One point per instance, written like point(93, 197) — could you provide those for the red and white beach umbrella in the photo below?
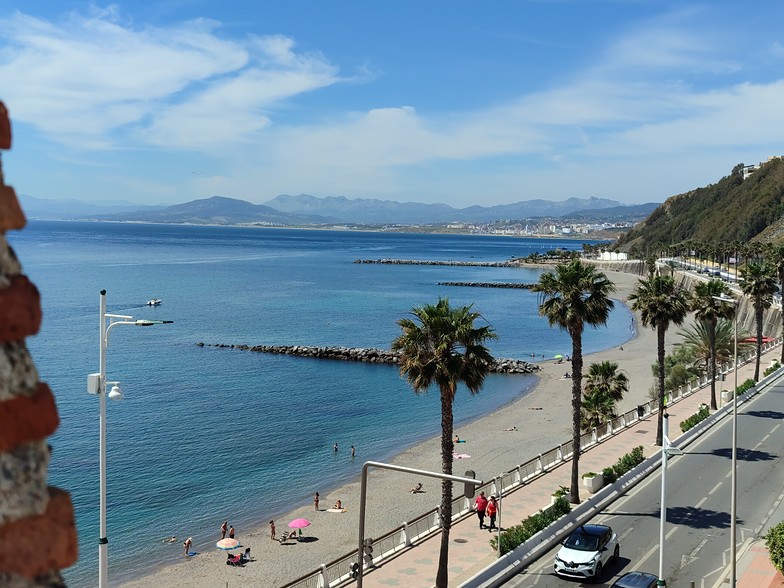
point(227, 544)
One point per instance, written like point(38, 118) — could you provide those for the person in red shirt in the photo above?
point(480, 504)
point(492, 510)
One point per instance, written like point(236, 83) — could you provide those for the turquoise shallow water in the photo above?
point(189, 412)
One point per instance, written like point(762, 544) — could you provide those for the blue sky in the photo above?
point(457, 102)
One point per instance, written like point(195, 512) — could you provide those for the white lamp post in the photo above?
point(667, 451)
point(96, 384)
point(734, 482)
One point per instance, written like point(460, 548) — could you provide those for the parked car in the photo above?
point(636, 580)
point(586, 551)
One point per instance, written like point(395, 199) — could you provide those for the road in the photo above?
point(697, 532)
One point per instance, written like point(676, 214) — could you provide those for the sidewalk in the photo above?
point(469, 549)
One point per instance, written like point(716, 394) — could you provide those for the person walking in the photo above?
point(491, 510)
point(272, 530)
point(315, 501)
point(231, 532)
point(224, 529)
point(480, 504)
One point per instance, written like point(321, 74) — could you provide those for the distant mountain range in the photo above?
point(286, 210)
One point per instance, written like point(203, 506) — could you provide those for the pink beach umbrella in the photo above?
point(227, 544)
point(299, 524)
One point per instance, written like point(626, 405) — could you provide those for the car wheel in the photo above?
point(616, 554)
point(597, 576)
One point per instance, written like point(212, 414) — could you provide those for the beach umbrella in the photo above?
point(228, 544)
point(559, 356)
point(299, 524)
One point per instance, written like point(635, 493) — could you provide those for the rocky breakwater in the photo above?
point(489, 285)
point(512, 263)
point(369, 355)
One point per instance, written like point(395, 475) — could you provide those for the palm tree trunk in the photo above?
point(758, 316)
point(447, 450)
point(577, 401)
point(712, 342)
point(660, 349)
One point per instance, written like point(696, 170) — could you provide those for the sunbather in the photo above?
point(416, 489)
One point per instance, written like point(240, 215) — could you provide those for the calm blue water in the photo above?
point(198, 437)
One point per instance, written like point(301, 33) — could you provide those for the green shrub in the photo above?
point(519, 534)
point(609, 475)
point(774, 541)
point(771, 369)
point(562, 491)
point(747, 385)
point(697, 417)
point(629, 461)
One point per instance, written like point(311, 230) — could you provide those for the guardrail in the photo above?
point(338, 572)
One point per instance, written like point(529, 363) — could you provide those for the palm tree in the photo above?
point(696, 339)
point(660, 302)
point(777, 261)
point(604, 386)
point(760, 285)
point(597, 409)
point(443, 347)
point(574, 295)
point(706, 308)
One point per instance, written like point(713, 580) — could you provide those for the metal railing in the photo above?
point(338, 572)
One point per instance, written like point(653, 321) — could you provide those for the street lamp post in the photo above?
point(734, 480)
point(667, 451)
point(96, 384)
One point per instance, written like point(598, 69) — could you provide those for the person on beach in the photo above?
point(353, 451)
point(338, 505)
point(187, 545)
point(511, 428)
point(224, 529)
point(416, 489)
point(231, 532)
point(480, 504)
point(272, 530)
point(315, 501)
point(457, 438)
point(491, 511)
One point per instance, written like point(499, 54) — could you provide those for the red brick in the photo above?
point(20, 309)
point(40, 543)
point(11, 215)
point(27, 418)
point(5, 128)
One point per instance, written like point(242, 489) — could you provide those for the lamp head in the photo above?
point(115, 393)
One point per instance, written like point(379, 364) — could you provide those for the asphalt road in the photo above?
point(697, 531)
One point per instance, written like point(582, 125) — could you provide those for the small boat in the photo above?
point(154, 302)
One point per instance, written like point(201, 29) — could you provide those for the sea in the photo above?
point(206, 434)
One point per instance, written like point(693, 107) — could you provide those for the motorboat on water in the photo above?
point(154, 302)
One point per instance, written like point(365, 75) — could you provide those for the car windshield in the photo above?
point(582, 542)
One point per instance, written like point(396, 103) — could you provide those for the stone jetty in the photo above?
point(511, 263)
point(370, 355)
point(489, 285)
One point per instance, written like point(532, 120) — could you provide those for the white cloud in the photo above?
point(91, 76)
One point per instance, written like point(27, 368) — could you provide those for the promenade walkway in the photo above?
point(469, 549)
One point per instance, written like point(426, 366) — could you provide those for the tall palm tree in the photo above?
point(706, 308)
point(777, 261)
point(760, 285)
point(442, 346)
point(696, 339)
point(604, 386)
point(574, 295)
point(660, 302)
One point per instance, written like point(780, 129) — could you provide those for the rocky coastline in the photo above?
point(369, 355)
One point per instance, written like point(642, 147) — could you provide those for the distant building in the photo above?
point(750, 169)
point(613, 256)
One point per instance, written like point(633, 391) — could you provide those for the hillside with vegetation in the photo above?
point(732, 210)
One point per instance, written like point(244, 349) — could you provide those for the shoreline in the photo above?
point(541, 416)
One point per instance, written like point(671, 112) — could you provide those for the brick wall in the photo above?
point(37, 529)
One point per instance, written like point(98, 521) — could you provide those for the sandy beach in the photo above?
point(542, 419)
